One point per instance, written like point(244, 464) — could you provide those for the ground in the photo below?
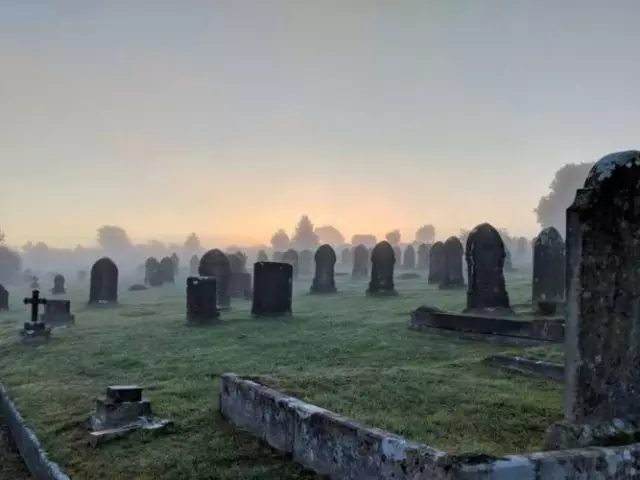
point(346, 352)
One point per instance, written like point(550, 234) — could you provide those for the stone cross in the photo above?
point(35, 301)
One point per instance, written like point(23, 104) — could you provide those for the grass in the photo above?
point(347, 353)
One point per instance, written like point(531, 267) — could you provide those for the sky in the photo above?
point(232, 118)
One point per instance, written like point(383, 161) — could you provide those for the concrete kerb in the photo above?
point(33, 455)
point(341, 448)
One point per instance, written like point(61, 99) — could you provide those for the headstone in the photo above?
point(522, 246)
point(272, 288)
point(397, 251)
point(277, 257)
point(216, 264)
point(153, 274)
point(57, 313)
point(409, 259)
point(602, 336)
point(262, 256)
point(82, 275)
point(194, 263)
point(35, 284)
point(305, 262)
point(383, 260)
point(548, 267)
point(240, 285)
point(360, 262)
point(59, 285)
point(4, 298)
point(453, 253)
point(35, 332)
point(237, 262)
point(201, 300)
point(346, 256)
point(176, 263)
point(423, 256)
point(437, 263)
point(103, 288)
point(324, 279)
point(485, 254)
point(291, 257)
point(167, 270)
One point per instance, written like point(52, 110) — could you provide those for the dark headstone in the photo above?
point(167, 270)
point(216, 264)
point(453, 253)
point(383, 260)
point(409, 259)
point(324, 280)
point(153, 274)
point(548, 267)
point(124, 393)
point(176, 263)
point(262, 256)
point(522, 245)
point(104, 282)
point(4, 298)
point(291, 257)
point(57, 312)
point(58, 285)
point(272, 288)
point(305, 262)
point(194, 263)
point(423, 256)
point(277, 257)
point(485, 254)
point(201, 300)
point(35, 332)
point(237, 262)
point(437, 263)
point(346, 257)
point(360, 262)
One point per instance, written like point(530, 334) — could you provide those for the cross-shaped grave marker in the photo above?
point(35, 301)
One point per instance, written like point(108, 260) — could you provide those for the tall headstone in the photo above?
point(201, 300)
point(423, 256)
point(453, 253)
point(360, 262)
point(409, 259)
point(602, 336)
point(291, 257)
point(397, 252)
point(305, 262)
point(437, 263)
point(152, 273)
point(176, 263)
point(522, 247)
point(324, 279)
point(262, 256)
point(216, 264)
point(59, 285)
point(383, 260)
point(485, 254)
point(272, 288)
point(103, 288)
point(346, 257)
point(548, 267)
point(237, 262)
point(167, 270)
point(4, 298)
point(194, 263)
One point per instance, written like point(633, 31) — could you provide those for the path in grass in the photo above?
point(348, 353)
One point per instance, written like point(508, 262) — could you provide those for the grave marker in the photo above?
point(360, 262)
point(383, 260)
point(324, 277)
point(272, 288)
point(452, 274)
point(58, 285)
point(201, 300)
point(4, 298)
point(409, 259)
point(103, 288)
point(35, 332)
point(548, 267)
point(437, 263)
point(216, 264)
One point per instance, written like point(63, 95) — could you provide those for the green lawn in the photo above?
point(347, 353)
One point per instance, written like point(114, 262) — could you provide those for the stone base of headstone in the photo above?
point(381, 293)
point(35, 334)
point(103, 304)
point(490, 312)
point(198, 321)
point(565, 435)
point(121, 411)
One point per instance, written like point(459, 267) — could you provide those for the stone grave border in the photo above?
point(527, 366)
point(341, 448)
point(32, 453)
point(509, 331)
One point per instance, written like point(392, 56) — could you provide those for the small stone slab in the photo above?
point(124, 393)
point(527, 366)
point(99, 437)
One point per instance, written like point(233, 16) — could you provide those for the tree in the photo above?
point(551, 209)
point(112, 237)
point(192, 243)
point(10, 264)
point(426, 234)
point(304, 237)
point(365, 239)
point(280, 240)
point(393, 237)
point(329, 234)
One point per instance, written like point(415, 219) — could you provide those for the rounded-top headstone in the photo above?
point(383, 252)
point(548, 236)
point(325, 254)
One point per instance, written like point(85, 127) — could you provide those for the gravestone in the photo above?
point(57, 313)
point(602, 338)
point(103, 288)
point(324, 279)
point(4, 298)
point(548, 267)
point(409, 259)
point(35, 284)
point(35, 332)
point(176, 263)
point(383, 260)
point(522, 246)
point(59, 285)
point(423, 256)
point(437, 263)
point(201, 300)
point(237, 262)
point(167, 270)
point(194, 263)
point(305, 262)
point(453, 253)
point(82, 275)
point(272, 288)
point(397, 251)
point(216, 264)
point(277, 257)
point(240, 279)
point(346, 256)
point(291, 257)
point(360, 262)
point(485, 254)
point(153, 275)
point(262, 256)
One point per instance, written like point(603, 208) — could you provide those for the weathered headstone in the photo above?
point(346, 256)
point(277, 257)
point(453, 252)
point(103, 288)
point(409, 259)
point(522, 246)
point(4, 298)
point(237, 262)
point(272, 288)
point(153, 274)
point(35, 332)
point(216, 264)
point(57, 313)
point(194, 263)
point(240, 279)
point(167, 270)
point(437, 263)
point(324, 278)
point(291, 257)
point(397, 251)
point(176, 263)
point(383, 260)
point(423, 256)
point(602, 337)
point(59, 285)
point(201, 300)
point(548, 267)
point(485, 254)
point(305, 262)
point(360, 262)
point(262, 256)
